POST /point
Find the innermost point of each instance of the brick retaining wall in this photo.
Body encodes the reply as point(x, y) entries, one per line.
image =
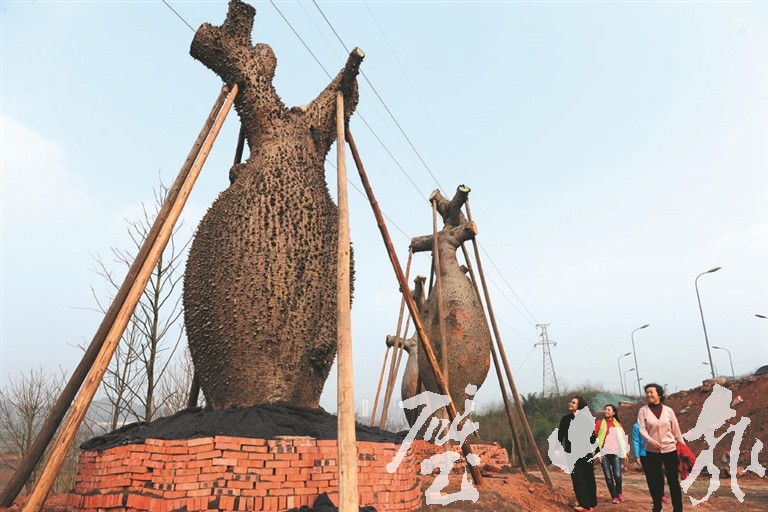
point(234, 473)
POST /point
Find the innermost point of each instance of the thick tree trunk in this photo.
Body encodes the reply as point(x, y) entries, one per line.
point(260, 284)
point(468, 338)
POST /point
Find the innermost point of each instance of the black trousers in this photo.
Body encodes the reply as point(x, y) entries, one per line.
point(583, 478)
point(657, 465)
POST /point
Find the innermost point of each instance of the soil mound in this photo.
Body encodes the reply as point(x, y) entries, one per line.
point(751, 392)
point(261, 421)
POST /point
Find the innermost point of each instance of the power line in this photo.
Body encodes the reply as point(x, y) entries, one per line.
point(507, 283)
point(439, 186)
point(300, 39)
point(418, 154)
point(394, 119)
point(179, 15)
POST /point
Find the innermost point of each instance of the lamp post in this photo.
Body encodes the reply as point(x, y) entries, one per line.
point(730, 359)
point(637, 372)
point(701, 311)
point(714, 368)
point(621, 381)
point(625, 376)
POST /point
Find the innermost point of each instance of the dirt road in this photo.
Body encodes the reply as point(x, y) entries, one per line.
point(513, 493)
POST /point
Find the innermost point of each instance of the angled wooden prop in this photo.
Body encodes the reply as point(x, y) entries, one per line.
point(406, 291)
point(59, 409)
point(503, 354)
point(93, 380)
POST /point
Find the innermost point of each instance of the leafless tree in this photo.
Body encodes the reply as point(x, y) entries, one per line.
point(175, 385)
point(152, 337)
point(24, 405)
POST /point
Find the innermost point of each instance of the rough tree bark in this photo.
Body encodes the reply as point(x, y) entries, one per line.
point(468, 338)
point(260, 284)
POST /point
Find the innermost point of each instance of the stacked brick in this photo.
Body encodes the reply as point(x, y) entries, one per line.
point(233, 473)
point(490, 453)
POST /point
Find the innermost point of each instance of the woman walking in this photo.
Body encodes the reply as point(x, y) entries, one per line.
point(583, 473)
point(612, 442)
point(638, 448)
point(661, 432)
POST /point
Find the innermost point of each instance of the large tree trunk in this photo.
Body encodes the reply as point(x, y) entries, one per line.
point(468, 338)
point(260, 285)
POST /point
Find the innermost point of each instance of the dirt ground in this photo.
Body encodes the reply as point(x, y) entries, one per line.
point(515, 492)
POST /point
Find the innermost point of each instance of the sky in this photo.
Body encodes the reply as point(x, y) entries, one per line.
point(615, 151)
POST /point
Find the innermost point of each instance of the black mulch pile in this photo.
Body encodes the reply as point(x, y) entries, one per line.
point(324, 504)
point(261, 422)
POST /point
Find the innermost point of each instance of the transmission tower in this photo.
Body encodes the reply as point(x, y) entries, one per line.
point(548, 368)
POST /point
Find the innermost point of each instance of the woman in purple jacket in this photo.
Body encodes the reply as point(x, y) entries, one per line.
point(661, 432)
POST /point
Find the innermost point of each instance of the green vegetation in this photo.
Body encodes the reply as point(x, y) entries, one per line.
point(543, 414)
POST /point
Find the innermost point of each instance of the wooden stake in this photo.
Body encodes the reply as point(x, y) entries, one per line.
point(395, 355)
point(502, 385)
point(194, 391)
point(347, 446)
point(502, 353)
point(59, 409)
point(240, 145)
point(439, 291)
point(426, 346)
point(378, 389)
point(93, 380)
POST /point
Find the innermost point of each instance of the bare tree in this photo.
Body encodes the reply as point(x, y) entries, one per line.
point(155, 330)
point(175, 385)
point(24, 406)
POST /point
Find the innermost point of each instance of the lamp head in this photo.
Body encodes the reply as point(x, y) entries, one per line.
point(644, 326)
point(713, 270)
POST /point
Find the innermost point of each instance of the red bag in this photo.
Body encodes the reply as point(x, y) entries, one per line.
point(687, 460)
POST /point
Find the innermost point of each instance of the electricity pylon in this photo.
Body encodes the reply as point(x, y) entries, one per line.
point(548, 368)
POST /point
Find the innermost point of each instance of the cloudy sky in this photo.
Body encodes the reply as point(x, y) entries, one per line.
point(615, 151)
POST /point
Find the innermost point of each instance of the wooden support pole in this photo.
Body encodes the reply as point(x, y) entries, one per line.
point(439, 291)
point(426, 346)
point(240, 145)
point(378, 389)
point(93, 380)
point(194, 391)
point(395, 354)
point(59, 409)
point(502, 385)
point(347, 445)
point(502, 353)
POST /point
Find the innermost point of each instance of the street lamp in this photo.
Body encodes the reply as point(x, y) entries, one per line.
point(625, 376)
point(714, 368)
point(637, 372)
point(698, 297)
point(733, 375)
point(618, 362)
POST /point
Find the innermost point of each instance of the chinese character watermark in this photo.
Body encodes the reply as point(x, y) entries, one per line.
point(433, 402)
point(715, 412)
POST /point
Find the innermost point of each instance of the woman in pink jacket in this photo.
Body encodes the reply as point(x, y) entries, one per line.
point(659, 428)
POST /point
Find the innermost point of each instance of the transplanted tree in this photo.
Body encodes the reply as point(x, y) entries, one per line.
point(150, 341)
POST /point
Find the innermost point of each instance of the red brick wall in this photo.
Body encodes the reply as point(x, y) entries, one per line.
point(490, 453)
point(232, 473)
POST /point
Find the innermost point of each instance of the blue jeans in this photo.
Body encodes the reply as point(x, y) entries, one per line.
point(612, 470)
